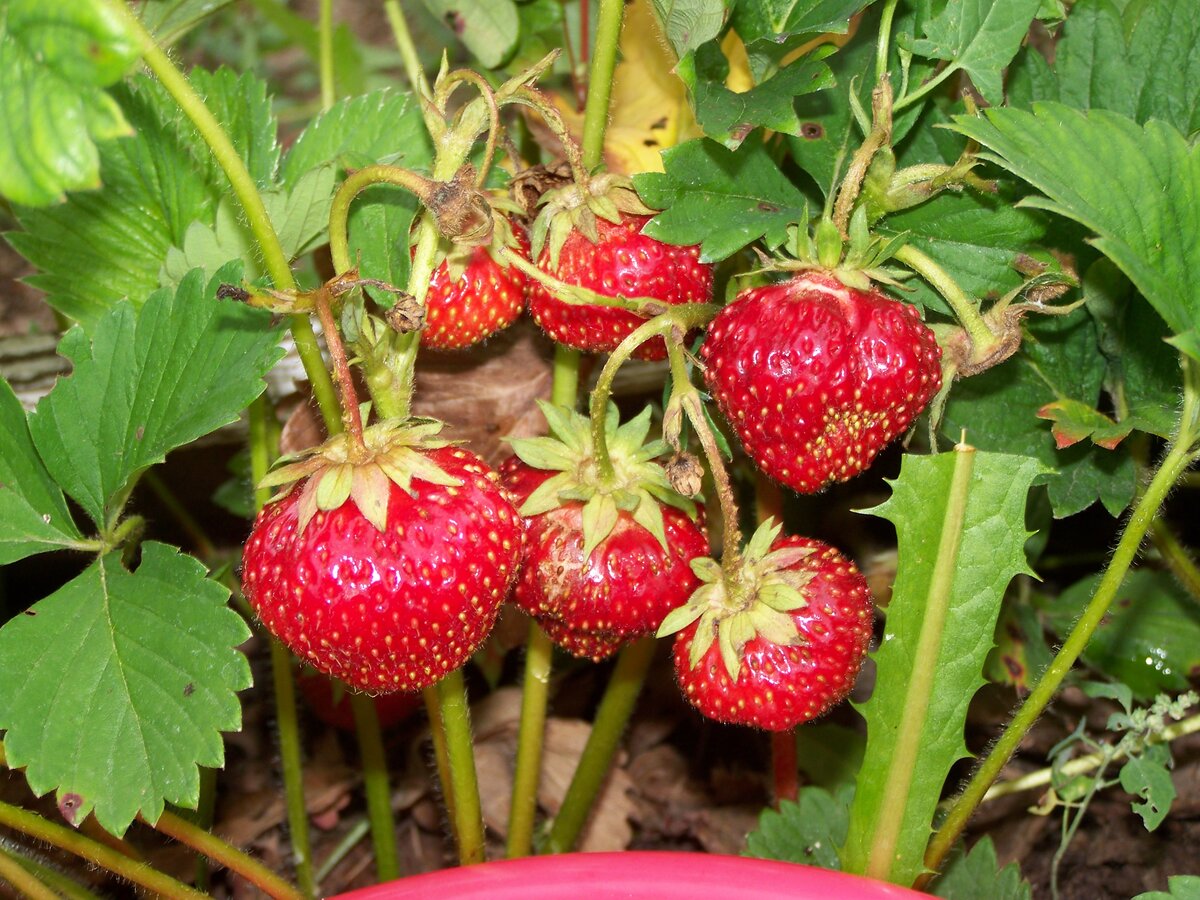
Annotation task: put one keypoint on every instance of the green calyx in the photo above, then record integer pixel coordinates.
(577, 206)
(343, 469)
(752, 600)
(637, 484)
(858, 261)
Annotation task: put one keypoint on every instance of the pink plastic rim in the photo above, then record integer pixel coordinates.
(634, 875)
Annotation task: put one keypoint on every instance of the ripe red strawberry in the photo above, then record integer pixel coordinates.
(817, 377)
(472, 296)
(596, 578)
(779, 642)
(386, 571)
(330, 702)
(622, 262)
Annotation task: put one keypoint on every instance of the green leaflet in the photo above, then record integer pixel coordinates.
(33, 513)
(119, 685)
(976, 875)
(149, 381)
(808, 831)
(55, 60)
(960, 523)
(1133, 186)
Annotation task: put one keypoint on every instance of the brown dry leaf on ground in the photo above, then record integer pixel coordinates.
(496, 720)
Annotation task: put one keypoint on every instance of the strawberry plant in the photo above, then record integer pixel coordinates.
(842, 455)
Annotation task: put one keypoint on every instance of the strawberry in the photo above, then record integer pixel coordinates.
(472, 296)
(621, 261)
(606, 557)
(817, 377)
(779, 639)
(385, 566)
(330, 702)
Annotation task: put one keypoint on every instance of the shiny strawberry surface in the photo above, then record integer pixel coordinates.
(486, 298)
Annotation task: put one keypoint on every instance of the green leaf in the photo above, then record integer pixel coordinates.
(55, 60)
(976, 875)
(775, 19)
(975, 237)
(147, 382)
(1150, 639)
(808, 831)
(110, 245)
(1148, 777)
(1182, 887)
(687, 24)
(829, 754)
(33, 513)
(169, 20)
(1134, 187)
(382, 126)
(210, 247)
(1139, 63)
(489, 28)
(729, 117)
(998, 409)
(119, 685)
(101, 247)
(960, 525)
(301, 213)
(979, 37)
(719, 198)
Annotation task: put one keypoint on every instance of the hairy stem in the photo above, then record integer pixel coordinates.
(21, 880)
(965, 309)
(600, 78)
(466, 809)
(885, 36)
(246, 191)
(535, 690)
(1176, 556)
(620, 697)
(64, 838)
(351, 415)
(226, 855)
(376, 785)
(441, 754)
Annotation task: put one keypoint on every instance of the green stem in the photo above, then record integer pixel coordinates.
(898, 779)
(1176, 556)
(535, 691)
(1081, 765)
(378, 790)
(466, 809)
(275, 261)
(205, 809)
(21, 880)
(885, 36)
(325, 49)
(356, 183)
(226, 855)
(965, 309)
(64, 838)
(620, 697)
(731, 534)
(600, 78)
(52, 878)
(1178, 459)
(287, 721)
(408, 50)
(539, 658)
(931, 84)
(441, 754)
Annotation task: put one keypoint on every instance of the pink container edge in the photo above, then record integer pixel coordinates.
(635, 875)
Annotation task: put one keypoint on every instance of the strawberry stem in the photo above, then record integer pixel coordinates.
(119, 864)
(408, 52)
(287, 721)
(535, 99)
(1181, 454)
(616, 706)
(600, 79)
(325, 53)
(441, 756)
(24, 882)
(226, 855)
(375, 784)
(965, 309)
(442, 97)
(689, 399)
(341, 367)
(784, 765)
(539, 658)
(879, 137)
(465, 805)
